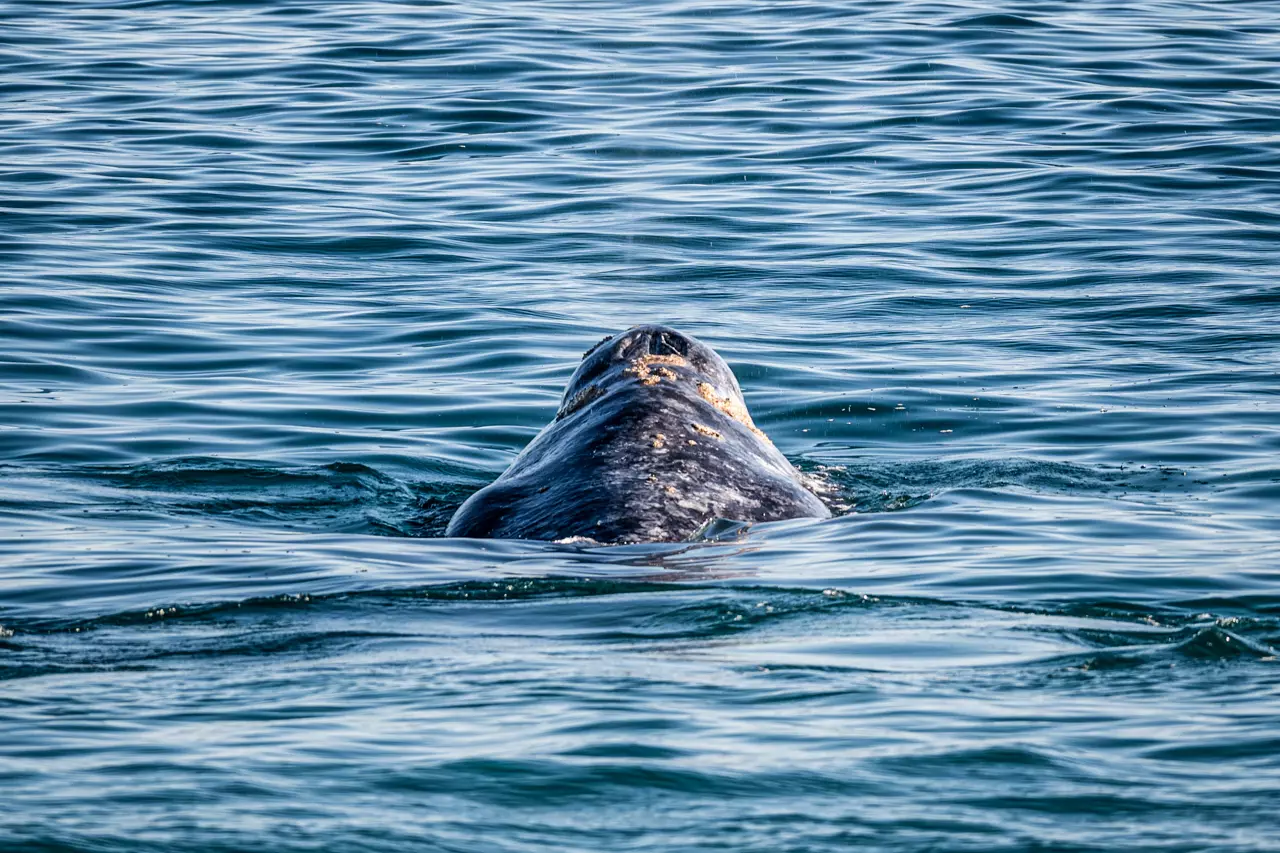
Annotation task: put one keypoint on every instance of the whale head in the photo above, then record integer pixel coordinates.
(652, 356)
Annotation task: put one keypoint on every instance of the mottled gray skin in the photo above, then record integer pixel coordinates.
(652, 441)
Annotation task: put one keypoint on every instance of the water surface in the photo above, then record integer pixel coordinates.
(283, 282)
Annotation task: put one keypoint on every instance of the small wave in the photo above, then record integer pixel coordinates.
(1217, 643)
(998, 22)
(1206, 644)
(352, 497)
(338, 497)
(892, 486)
(733, 612)
(498, 590)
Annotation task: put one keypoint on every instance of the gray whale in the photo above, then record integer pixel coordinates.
(652, 441)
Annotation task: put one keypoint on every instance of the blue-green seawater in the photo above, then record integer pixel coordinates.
(282, 282)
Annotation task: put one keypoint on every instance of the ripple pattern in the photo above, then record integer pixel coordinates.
(281, 282)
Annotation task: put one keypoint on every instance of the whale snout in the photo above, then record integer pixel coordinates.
(640, 341)
(650, 356)
(668, 343)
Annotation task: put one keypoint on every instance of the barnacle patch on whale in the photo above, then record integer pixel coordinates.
(651, 369)
(586, 395)
(730, 406)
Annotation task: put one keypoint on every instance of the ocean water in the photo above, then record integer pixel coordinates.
(282, 282)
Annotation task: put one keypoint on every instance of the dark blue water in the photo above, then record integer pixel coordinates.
(281, 283)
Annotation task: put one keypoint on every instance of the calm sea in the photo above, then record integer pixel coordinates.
(281, 283)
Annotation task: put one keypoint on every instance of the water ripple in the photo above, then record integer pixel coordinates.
(283, 282)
